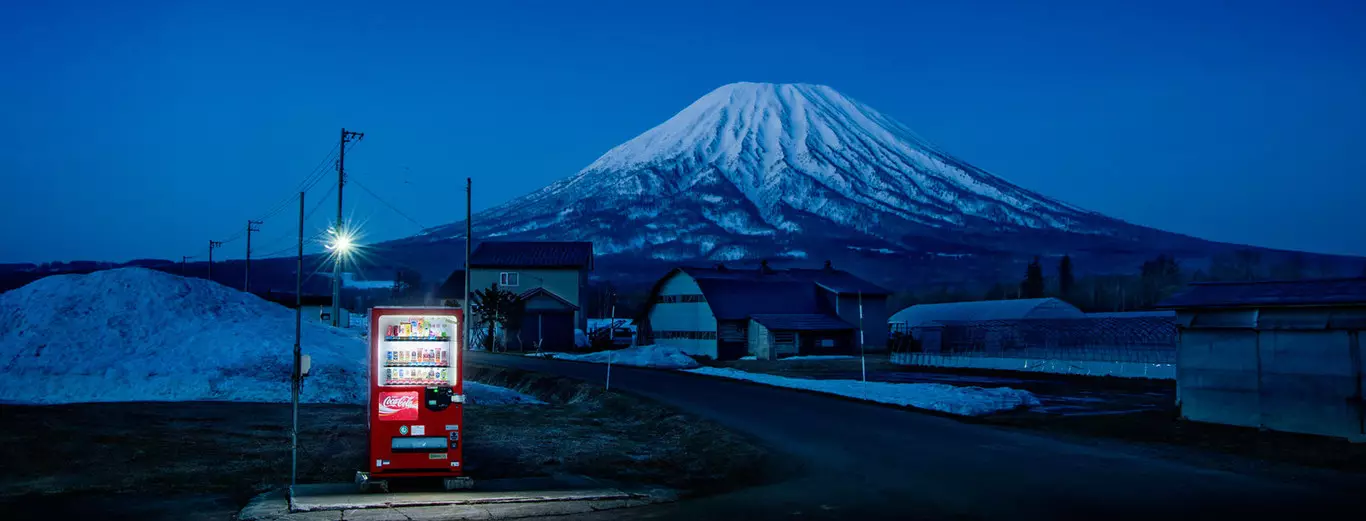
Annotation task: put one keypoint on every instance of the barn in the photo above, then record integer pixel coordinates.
(1283, 356)
(727, 313)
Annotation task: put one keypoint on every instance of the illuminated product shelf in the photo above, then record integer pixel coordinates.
(416, 364)
(415, 339)
(417, 382)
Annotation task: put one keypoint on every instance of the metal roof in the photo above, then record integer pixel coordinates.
(921, 314)
(738, 299)
(802, 322)
(454, 287)
(838, 281)
(1320, 292)
(542, 291)
(532, 254)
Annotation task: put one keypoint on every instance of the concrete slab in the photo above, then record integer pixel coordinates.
(492, 499)
(344, 496)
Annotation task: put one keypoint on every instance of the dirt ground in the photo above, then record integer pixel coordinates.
(204, 460)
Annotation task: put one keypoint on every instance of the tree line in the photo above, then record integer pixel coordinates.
(1153, 281)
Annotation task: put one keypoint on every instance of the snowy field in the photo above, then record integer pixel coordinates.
(135, 334)
(658, 357)
(963, 401)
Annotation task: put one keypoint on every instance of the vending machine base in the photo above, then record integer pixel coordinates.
(367, 484)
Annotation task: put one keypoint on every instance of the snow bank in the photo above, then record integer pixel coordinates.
(485, 394)
(661, 357)
(134, 334)
(965, 401)
(809, 358)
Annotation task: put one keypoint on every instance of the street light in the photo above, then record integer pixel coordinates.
(342, 246)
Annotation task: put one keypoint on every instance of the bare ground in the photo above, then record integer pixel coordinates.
(204, 460)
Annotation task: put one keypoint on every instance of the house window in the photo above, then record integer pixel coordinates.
(827, 342)
(509, 278)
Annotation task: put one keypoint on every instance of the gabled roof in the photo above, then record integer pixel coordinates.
(803, 322)
(1320, 292)
(738, 299)
(533, 292)
(922, 314)
(532, 254)
(454, 287)
(834, 280)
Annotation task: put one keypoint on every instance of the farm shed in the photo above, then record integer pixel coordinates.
(921, 315)
(777, 336)
(1284, 356)
(711, 311)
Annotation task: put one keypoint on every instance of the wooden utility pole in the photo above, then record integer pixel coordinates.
(338, 231)
(466, 307)
(298, 326)
(251, 227)
(212, 244)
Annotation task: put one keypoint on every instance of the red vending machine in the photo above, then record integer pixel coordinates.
(416, 396)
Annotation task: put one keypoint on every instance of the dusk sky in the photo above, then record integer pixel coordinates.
(145, 129)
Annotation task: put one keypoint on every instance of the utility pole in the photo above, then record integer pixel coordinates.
(251, 227)
(465, 309)
(337, 231)
(212, 244)
(298, 379)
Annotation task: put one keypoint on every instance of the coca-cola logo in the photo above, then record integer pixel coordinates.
(400, 406)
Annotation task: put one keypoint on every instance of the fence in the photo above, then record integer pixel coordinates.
(1141, 346)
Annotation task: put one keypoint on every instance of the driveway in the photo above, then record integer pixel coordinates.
(851, 459)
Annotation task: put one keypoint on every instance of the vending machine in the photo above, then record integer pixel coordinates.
(416, 396)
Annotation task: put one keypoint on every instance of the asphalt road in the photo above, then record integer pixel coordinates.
(856, 460)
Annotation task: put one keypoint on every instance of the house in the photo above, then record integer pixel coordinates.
(726, 313)
(550, 278)
(918, 316)
(1284, 356)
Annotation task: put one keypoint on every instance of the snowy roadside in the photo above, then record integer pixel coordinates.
(962, 401)
(951, 399)
(658, 357)
(484, 394)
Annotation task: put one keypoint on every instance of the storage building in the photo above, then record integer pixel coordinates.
(727, 313)
(1284, 356)
(923, 315)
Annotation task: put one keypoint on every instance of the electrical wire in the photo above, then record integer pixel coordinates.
(386, 203)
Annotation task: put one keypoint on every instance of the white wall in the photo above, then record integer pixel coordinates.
(683, 316)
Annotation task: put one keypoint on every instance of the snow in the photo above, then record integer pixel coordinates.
(484, 394)
(748, 158)
(135, 334)
(963, 401)
(659, 357)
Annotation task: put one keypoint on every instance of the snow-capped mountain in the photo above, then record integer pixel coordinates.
(762, 170)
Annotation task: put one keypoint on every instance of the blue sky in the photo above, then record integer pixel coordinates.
(144, 129)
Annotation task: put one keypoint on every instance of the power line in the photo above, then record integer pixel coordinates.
(386, 203)
(321, 201)
(309, 180)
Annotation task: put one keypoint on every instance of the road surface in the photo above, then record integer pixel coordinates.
(857, 460)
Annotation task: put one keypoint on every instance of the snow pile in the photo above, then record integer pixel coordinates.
(660, 357)
(485, 394)
(964, 401)
(134, 334)
(808, 358)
